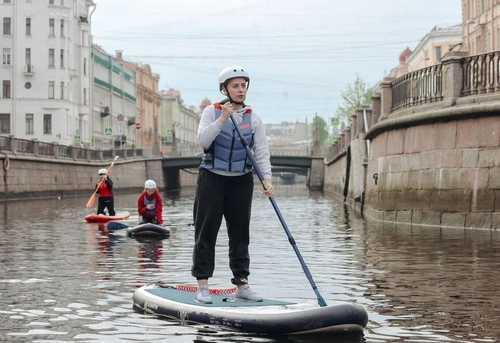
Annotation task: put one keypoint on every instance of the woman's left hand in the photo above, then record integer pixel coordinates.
(268, 188)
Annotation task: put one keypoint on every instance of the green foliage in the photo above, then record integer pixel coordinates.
(320, 128)
(355, 96)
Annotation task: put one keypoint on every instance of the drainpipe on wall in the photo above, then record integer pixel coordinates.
(365, 162)
(90, 63)
(13, 74)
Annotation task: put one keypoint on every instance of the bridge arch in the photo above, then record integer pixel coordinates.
(314, 167)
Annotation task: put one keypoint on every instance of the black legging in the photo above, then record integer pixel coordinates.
(217, 196)
(106, 202)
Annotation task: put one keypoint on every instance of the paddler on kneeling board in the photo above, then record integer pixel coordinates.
(150, 204)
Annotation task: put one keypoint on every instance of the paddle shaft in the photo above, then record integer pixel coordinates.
(309, 276)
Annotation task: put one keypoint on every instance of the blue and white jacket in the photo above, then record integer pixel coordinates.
(224, 153)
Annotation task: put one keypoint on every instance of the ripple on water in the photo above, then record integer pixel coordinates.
(64, 280)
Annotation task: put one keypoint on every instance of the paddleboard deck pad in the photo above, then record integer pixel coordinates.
(270, 317)
(147, 230)
(101, 218)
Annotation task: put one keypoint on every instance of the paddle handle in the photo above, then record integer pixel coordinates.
(305, 268)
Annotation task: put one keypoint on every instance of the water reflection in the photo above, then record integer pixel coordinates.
(150, 252)
(64, 280)
(430, 276)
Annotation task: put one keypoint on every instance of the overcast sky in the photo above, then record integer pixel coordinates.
(300, 54)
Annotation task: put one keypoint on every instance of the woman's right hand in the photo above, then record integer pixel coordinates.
(227, 109)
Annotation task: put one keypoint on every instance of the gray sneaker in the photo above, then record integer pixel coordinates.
(203, 296)
(244, 292)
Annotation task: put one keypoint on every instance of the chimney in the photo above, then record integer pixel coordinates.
(119, 54)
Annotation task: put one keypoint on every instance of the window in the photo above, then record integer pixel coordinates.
(28, 26)
(438, 53)
(84, 38)
(30, 127)
(5, 123)
(52, 62)
(62, 2)
(6, 26)
(62, 90)
(51, 89)
(27, 56)
(51, 2)
(6, 56)
(62, 27)
(85, 96)
(85, 66)
(498, 39)
(61, 56)
(479, 45)
(47, 124)
(52, 30)
(6, 89)
(6, 1)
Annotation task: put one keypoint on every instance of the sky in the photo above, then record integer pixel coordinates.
(300, 54)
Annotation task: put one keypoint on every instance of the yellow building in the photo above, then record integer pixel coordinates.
(148, 104)
(431, 49)
(481, 25)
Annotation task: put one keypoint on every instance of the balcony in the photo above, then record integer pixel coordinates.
(29, 70)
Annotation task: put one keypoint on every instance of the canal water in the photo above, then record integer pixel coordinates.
(62, 280)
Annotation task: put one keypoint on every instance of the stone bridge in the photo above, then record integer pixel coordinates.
(313, 167)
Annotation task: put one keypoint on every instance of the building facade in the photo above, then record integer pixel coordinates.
(114, 101)
(289, 138)
(148, 106)
(44, 70)
(431, 49)
(481, 25)
(179, 124)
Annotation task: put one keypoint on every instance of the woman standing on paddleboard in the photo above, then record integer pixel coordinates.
(225, 182)
(105, 190)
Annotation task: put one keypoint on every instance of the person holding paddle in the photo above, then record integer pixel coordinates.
(104, 188)
(225, 182)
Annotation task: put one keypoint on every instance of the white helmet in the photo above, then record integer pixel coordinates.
(150, 184)
(103, 171)
(230, 73)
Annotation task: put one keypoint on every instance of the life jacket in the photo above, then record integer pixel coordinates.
(150, 205)
(226, 153)
(106, 189)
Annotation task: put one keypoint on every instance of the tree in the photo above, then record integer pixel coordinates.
(320, 129)
(355, 96)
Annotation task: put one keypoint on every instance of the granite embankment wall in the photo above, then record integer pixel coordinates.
(443, 174)
(24, 176)
(427, 152)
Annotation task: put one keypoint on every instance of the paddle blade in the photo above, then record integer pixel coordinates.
(92, 201)
(112, 226)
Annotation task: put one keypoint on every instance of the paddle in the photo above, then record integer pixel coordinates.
(93, 198)
(309, 276)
